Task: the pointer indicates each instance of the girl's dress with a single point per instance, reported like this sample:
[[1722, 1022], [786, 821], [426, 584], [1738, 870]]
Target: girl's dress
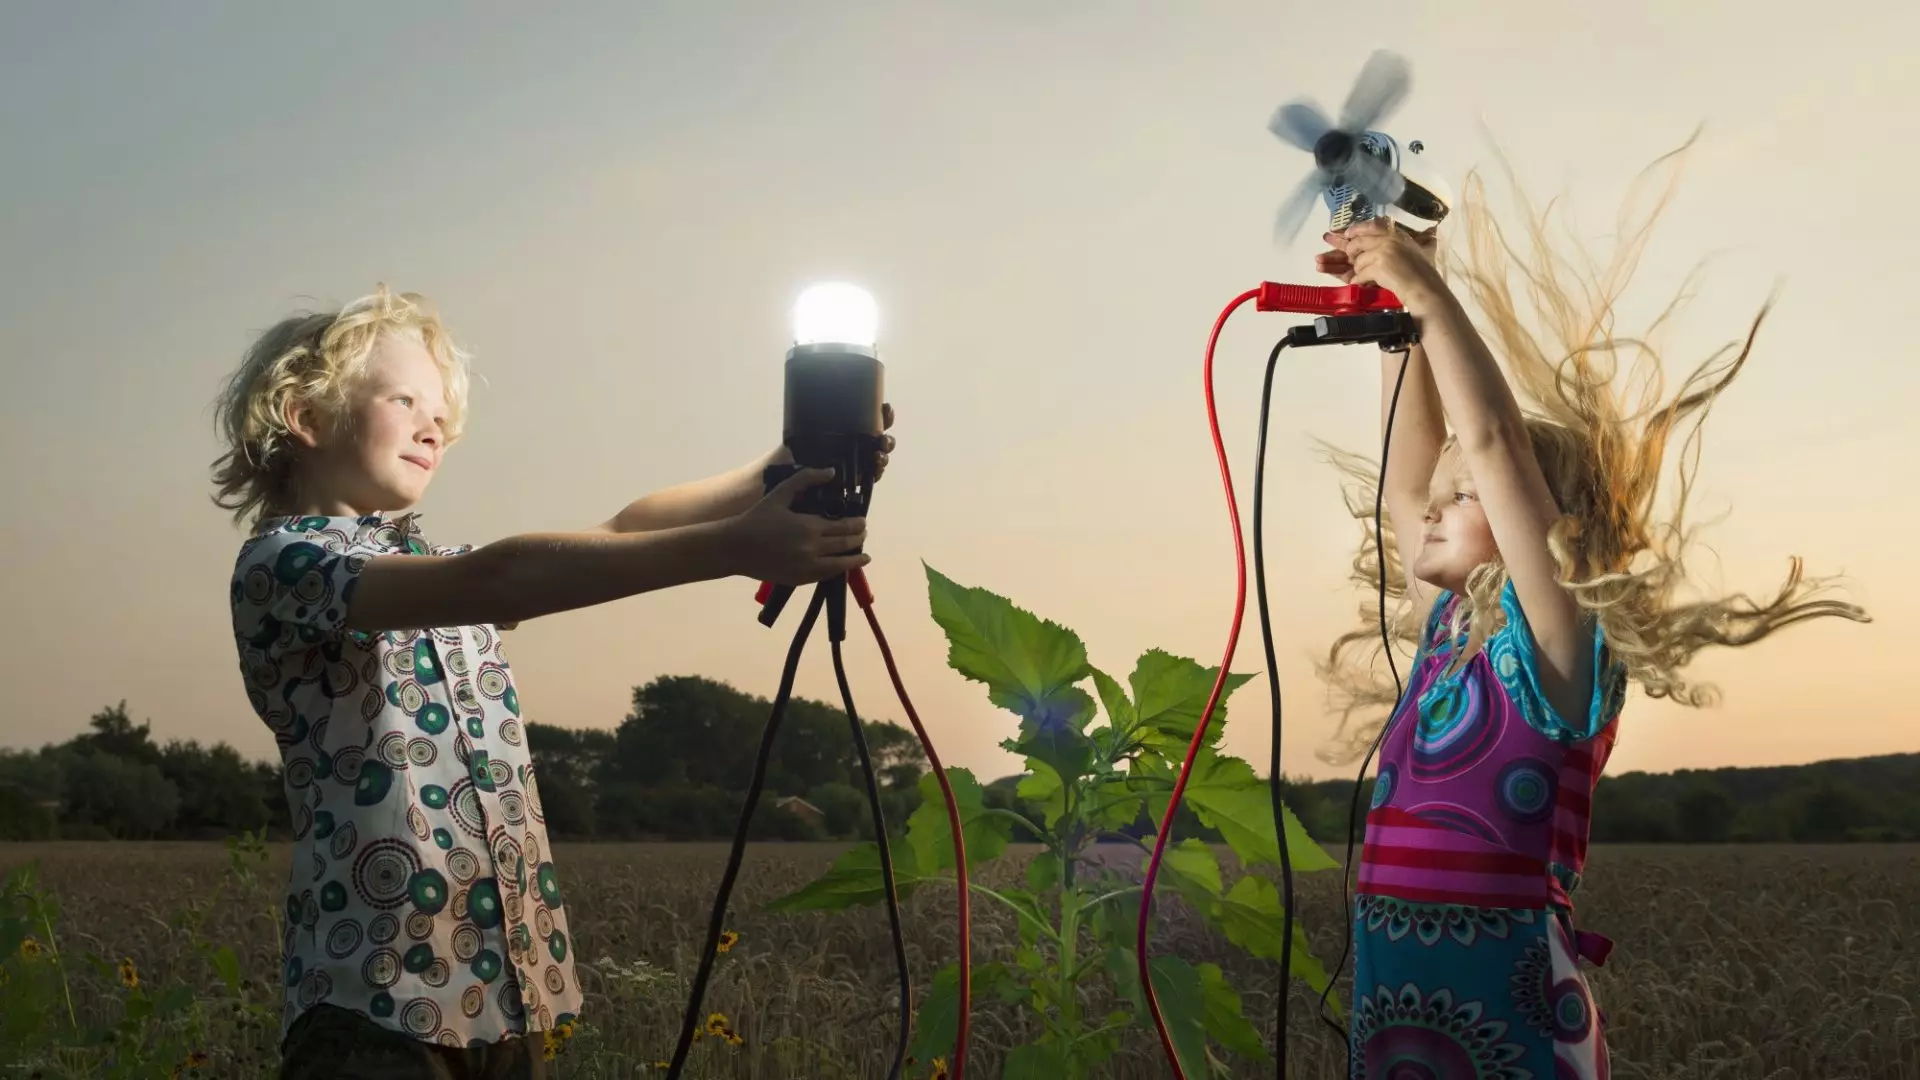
[[1467, 963]]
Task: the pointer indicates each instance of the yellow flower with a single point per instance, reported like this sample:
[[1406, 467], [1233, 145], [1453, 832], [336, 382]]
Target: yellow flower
[[939, 1069], [717, 1023], [29, 947], [733, 1037], [129, 977], [565, 1030], [727, 941]]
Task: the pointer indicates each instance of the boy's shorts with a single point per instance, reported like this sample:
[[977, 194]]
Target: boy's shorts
[[337, 1044]]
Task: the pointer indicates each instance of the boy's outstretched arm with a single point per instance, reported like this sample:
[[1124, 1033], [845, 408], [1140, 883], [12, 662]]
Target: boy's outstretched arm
[[697, 502], [527, 576], [1491, 433], [715, 498]]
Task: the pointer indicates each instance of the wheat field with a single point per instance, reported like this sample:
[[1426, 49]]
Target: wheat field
[[1744, 963]]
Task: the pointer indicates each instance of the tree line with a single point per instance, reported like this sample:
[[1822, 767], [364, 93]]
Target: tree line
[[677, 768]]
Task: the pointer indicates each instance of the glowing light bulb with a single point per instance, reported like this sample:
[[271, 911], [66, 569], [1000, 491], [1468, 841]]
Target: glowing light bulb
[[835, 314]]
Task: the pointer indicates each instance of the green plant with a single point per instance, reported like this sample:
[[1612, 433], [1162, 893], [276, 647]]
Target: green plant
[[149, 1032], [1084, 785]]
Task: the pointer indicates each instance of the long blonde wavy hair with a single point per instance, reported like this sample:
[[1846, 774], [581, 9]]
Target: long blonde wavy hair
[[315, 358], [1601, 447]]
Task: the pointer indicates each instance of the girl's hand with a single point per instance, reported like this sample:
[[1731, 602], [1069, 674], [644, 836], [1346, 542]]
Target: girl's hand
[[773, 542], [1393, 257], [886, 441], [783, 456]]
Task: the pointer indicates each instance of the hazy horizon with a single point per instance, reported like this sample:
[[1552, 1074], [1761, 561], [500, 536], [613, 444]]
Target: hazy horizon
[[615, 207]]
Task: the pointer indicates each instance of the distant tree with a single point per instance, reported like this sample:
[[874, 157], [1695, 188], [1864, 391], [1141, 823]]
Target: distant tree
[[128, 799], [1830, 813], [22, 817], [114, 733], [1704, 813], [568, 764], [846, 810], [217, 788]]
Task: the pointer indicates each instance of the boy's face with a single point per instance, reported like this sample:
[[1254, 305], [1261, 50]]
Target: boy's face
[[1457, 537], [384, 457]]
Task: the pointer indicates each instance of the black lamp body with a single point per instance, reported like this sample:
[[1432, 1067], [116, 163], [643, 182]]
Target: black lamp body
[[834, 417]]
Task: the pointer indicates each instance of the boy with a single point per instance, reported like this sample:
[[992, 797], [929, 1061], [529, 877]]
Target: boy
[[426, 932]]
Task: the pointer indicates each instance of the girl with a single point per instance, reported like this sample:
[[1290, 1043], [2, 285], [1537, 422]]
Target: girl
[[1527, 541], [426, 931]]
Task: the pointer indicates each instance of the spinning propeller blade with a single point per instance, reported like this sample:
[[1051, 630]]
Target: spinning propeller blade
[[1299, 124], [1379, 90], [1293, 212]]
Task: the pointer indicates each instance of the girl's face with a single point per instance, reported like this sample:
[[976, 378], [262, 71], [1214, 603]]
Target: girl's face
[[1457, 538], [385, 455]]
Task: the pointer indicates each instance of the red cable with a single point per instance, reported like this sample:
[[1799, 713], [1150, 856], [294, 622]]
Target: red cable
[[863, 595], [1199, 731]]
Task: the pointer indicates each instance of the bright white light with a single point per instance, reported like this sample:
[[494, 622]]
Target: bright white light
[[837, 314]]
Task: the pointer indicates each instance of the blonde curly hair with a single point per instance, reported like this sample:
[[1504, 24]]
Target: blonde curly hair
[[1601, 452], [316, 358]]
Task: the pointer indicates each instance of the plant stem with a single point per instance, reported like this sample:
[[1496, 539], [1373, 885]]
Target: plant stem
[[54, 947], [1000, 811], [1069, 998], [975, 886], [1102, 1030], [1104, 897]]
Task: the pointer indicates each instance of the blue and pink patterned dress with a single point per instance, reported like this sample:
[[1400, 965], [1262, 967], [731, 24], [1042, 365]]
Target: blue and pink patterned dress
[[1467, 963]]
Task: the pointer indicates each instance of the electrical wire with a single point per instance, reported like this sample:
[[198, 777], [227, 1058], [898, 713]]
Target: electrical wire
[[864, 597], [1206, 714], [718, 919], [886, 856], [1386, 644], [1273, 686]]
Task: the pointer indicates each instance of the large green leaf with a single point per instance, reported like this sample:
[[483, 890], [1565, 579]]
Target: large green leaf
[[855, 879], [1030, 665], [1226, 1022], [1042, 787], [930, 834], [1169, 694], [1120, 713], [1035, 1061], [1115, 804], [1225, 795], [1251, 917], [1124, 970], [936, 1025], [1190, 866], [1183, 1006], [1043, 872], [1058, 746]]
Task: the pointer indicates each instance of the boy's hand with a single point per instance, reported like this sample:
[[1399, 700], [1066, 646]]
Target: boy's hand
[[1396, 258], [773, 542]]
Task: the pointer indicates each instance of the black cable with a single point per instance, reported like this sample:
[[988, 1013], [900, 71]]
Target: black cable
[[1386, 642], [1273, 686], [886, 858], [717, 922]]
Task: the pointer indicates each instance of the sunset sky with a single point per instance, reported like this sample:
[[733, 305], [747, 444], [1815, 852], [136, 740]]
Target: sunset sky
[[615, 206]]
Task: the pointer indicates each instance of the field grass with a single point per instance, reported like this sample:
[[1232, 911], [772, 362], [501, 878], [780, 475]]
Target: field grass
[[1746, 963]]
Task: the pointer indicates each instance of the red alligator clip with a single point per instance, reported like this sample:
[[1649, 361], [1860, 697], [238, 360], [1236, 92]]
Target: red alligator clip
[[1325, 299], [856, 580]]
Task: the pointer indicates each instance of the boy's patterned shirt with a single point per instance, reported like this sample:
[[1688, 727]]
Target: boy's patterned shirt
[[422, 893]]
